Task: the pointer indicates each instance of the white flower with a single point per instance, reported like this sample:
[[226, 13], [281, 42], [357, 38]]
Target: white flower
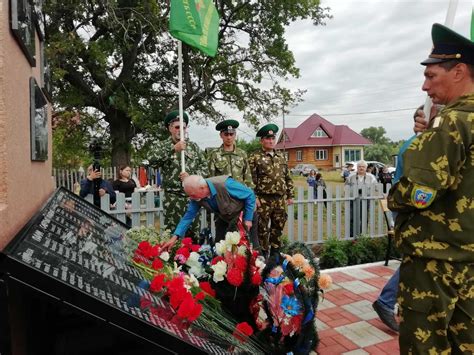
[[260, 263], [220, 268], [221, 247], [165, 256], [242, 250], [193, 262], [191, 280], [232, 238]]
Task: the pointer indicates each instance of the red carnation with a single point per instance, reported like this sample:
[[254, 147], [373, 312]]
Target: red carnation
[[189, 308], [157, 283], [187, 242], [195, 247], [182, 254], [242, 331], [288, 289], [144, 245], [217, 259], [157, 264], [206, 287], [241, 262], [256, 279], [200, 296], [235, 277]]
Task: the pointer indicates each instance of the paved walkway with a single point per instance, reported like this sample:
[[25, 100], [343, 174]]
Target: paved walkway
[[347, 323]]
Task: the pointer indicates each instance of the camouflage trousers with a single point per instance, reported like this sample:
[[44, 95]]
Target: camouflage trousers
[[271, 221], [436, 301], [175, 206]]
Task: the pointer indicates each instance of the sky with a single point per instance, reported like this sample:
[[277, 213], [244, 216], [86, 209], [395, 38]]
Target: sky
[[367, 58]]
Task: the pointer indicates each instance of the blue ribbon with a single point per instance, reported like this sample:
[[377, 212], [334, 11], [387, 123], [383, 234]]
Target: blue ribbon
[[285, 264], [296, 283], [274, 329], [275, 280]]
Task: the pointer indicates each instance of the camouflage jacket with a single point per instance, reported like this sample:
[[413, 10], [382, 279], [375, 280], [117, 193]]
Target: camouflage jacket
[[233, 163], [435, 196], [270, 174], [165, 157]]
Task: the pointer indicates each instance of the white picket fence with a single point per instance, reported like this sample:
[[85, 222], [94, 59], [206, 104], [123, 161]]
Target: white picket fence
[[309, 220]]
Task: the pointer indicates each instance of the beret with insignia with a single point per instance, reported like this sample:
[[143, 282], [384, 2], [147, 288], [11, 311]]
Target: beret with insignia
[[269, 130], [174, 116]]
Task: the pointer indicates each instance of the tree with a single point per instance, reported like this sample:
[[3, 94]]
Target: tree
[[249, 147], [116, 59], [375, 134]]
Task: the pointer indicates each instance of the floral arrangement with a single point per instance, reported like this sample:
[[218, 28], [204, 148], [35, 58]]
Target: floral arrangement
[[236, 274], [183, 277], [284, 310]]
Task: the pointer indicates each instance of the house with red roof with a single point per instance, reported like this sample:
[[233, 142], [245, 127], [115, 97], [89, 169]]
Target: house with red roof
[[319, 142]]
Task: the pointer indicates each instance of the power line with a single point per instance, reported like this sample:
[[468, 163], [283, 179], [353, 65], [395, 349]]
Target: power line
[[356, 113]]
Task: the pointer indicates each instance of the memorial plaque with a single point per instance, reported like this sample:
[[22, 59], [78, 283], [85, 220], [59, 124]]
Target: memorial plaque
[[77, 253]]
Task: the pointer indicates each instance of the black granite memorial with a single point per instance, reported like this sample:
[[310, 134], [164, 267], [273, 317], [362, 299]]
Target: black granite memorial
[[74, 255]]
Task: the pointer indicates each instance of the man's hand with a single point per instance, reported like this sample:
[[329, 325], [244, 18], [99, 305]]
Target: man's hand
[[169, 244], [248, 225], [421, 124], [178, 147], [95, 174], [257, 201], [183, 175], [102, 192], [289, 201]]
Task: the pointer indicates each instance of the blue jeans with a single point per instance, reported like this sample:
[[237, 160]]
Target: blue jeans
[[388, 296]]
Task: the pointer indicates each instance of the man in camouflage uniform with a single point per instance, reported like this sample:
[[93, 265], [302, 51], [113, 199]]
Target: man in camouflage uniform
[[230, 160], [273, 187], [435, 203], [167, 155]]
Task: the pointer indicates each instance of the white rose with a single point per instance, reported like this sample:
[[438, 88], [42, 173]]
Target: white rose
[[221, 247], [219, 271], [242, 250], [232, 238], [165, 256]]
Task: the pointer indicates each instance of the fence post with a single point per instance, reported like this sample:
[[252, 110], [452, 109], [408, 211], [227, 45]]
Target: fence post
[[150, 203], [291, 223], [300, 209], [310, 214], [338, 211], [135, 207], [161, 211], [120, 207]]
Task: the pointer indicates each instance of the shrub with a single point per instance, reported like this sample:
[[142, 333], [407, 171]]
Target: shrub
[[333, 254]]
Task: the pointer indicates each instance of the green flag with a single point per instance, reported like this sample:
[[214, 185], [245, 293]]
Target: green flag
[[184, 18], [472, 25], [208, 18]]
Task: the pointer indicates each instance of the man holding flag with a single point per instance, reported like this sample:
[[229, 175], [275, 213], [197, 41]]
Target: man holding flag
[[434, 200]]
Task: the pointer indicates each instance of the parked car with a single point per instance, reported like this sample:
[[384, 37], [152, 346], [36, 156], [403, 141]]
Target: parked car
[[303, 169]]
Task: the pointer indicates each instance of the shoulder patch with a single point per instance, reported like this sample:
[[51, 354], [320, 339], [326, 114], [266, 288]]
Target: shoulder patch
[[422, 196]]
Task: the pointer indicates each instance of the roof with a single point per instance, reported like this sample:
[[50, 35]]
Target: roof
[[337, 135]]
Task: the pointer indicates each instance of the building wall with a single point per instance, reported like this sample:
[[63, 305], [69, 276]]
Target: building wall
[[24, 184], [308, 157]]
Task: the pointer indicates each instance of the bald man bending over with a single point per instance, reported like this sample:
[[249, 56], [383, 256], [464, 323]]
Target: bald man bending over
[[220, 195]]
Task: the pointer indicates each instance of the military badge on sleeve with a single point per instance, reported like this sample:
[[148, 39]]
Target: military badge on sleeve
[[422, 196]]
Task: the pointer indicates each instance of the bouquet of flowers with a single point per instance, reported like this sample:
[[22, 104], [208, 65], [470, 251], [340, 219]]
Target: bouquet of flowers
[[284, 310], [181, 277], [235, 275]]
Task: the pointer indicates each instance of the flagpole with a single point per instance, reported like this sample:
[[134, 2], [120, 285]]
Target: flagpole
[[448, 22], [180, 95]]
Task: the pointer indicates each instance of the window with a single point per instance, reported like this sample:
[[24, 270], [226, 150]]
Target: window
[[321, 154], [299, 155], [287, 156], [352, 154], [319, 133]]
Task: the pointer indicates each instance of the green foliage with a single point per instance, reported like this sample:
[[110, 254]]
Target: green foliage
[[333, 254], [375, 134], [117, 59], [361, 250], [249, 147]]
